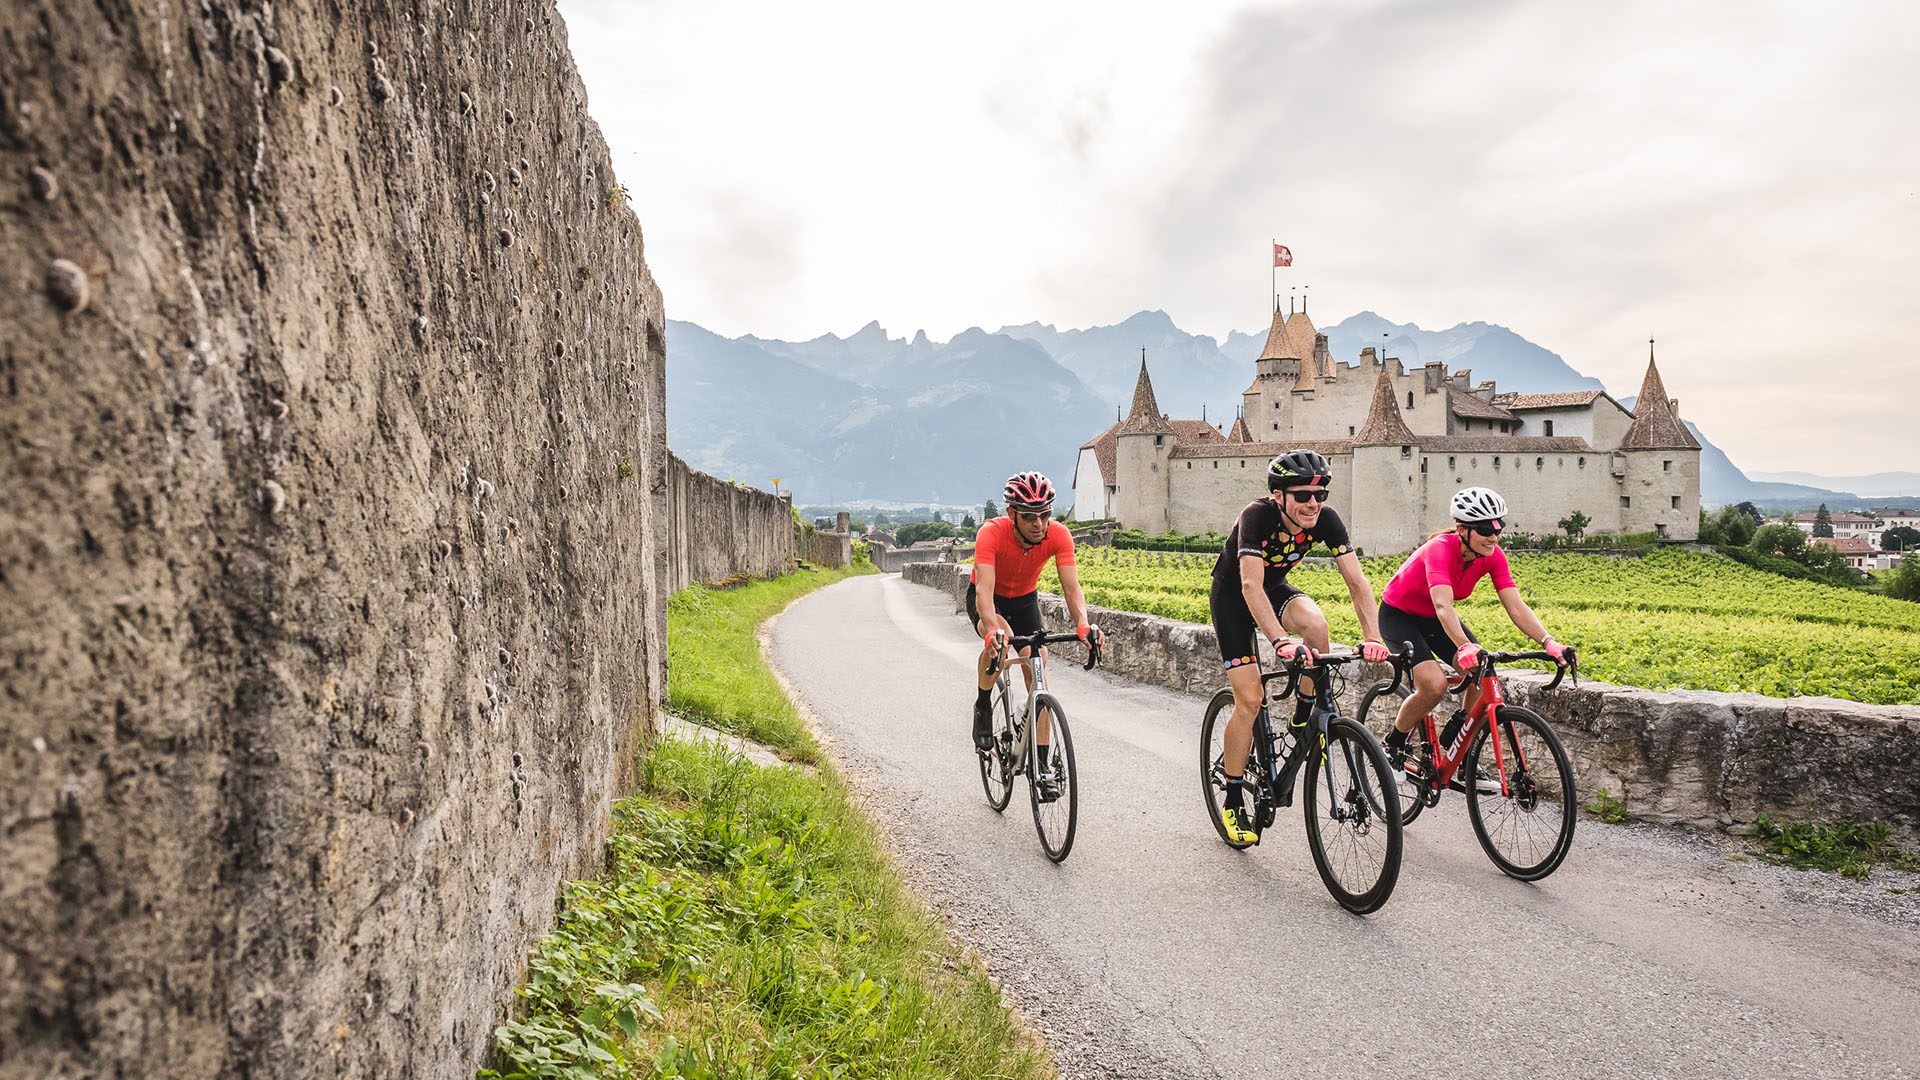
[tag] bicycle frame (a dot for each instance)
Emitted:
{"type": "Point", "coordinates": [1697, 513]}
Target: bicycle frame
{"type": "Point", "coordinates": [1029, 717]}
{"type": "Point", "coordinates": [1447, 760]}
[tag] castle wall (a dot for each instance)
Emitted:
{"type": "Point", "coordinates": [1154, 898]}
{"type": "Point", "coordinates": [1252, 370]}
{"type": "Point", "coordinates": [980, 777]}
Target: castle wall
{"type": "Point", "coordinates": [1141, 501]}
{"type": "Point", "coordinates": [1603, 424]}
{"type": "Point", "coordinates": [1209, 493]}
{"type": "Point", "coordinates": [1391, 500]}
{"type": "Point", "coordinates": [1540, 489]}
{"type": "Point", "coordinates": [1338, 406]}
{"type": "Point", "coordinates": [1089, 487]}
{"type": "Point", "coordinates": [1663, 489]}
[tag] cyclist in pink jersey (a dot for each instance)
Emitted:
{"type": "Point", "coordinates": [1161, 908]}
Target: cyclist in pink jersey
{"type": "Point", "coordinates": [1417, 606]}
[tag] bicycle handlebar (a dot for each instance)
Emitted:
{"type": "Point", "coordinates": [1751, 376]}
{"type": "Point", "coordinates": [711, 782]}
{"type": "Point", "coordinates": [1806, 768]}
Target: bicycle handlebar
{"type": "Point", "coordinates": [1017, 642]}
{"type": "Point", "coordinates": [1568, 661]}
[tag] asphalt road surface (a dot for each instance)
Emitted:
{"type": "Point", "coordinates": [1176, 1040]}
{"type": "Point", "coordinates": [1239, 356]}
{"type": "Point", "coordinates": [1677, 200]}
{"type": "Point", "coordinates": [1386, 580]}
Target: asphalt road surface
{"type": "Point", "coordinates": [1157, 951]}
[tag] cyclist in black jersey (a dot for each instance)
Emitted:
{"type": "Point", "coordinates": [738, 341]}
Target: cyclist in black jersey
{"type": "Point", "coordinates": [1251, 591]}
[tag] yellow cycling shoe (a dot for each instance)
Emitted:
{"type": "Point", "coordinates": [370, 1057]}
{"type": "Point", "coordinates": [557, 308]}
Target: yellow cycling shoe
{"type": "Point", "coordinates": [1234, 822]}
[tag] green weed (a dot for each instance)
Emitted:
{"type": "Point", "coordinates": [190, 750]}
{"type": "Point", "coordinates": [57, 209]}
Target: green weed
{"type": "Point", "coordinates": [1607, 807]}
{"type": "Point", "coordinates": [1850, 849]}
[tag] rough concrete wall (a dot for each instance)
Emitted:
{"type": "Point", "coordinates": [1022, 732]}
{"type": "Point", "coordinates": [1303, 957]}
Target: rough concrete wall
{"type": "Point", "coordinates": [828, 549]}
{"type": "Point", "coordinates": [331, 464]}
{"type": "Point", "coordinates": [1695, 758]}
{"type": "Point", "coordinates": [716, 529]}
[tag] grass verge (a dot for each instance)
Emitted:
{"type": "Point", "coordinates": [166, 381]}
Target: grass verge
{"type": "Point", "coordinates": [1848, 848]}
{"type": "Point", "coordinates": [749, 923]}
{"type": "Point", "coordinates": [714, 672]}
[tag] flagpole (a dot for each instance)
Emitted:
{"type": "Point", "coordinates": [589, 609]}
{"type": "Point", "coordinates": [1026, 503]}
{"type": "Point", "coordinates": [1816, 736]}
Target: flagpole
{"type": "Point", "coordinates": [1273, 280]}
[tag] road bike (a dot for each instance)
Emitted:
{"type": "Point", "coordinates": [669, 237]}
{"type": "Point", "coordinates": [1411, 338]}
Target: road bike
{"type": "Point", "coordinates": [1053, 786]}
{"type": "Point", "coordinates": [1521, 803]}
{"type": "Point", "coordinates": [1351, 803]}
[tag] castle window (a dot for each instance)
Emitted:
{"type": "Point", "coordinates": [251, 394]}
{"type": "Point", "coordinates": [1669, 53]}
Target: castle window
{"type": "Point", "coordinates": [1349, 431]}
{"type": "Point", "coordinates": [1626, 501]}
{"type": "Point", "coordinates": [1583, 462]}
{"type": "Point", "coordinates": [1666, 466]}
{"type": "Point", "coordinates": [1189, 464]}
{"type": "Point", "coordinates": [1549, 424]}
{"type": "Point", "coordinates": [1423, 464]}
{"type": "Point", "coordinates": [1409, 399]}
{"type": "Point", "coordinates": [1216, 463]}
{"type": "Point", "coordinates": [1243, 463]}
{"type": "Point", "coordinates": [1276, 425]}
{"type": "Point", "coordinates": [1675, 499]}
{"type": "Point", "coordinates": [1450, 465]}
{"type": "Point", "coordinates": [1406, 451]}
{"type": "Point", "coordinates": [1539, 463]}
{"type": "Point", "coordinates": [1496, 463]}
{"type": "Point", "coordinates": [1159, 440]}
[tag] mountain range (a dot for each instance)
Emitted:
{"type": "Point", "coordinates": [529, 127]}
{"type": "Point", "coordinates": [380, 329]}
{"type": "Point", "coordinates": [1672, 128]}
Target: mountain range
{"type": "Point", "coordinates": [875, 417]}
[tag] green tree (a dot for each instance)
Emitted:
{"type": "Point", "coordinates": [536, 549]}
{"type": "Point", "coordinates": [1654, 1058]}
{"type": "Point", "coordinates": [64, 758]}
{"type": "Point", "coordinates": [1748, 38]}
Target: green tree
{"type": "Point", "coordinates": [923, 530]}
{"type": "Point", "coordinates": [1900, 538]}
{"type": "Point", "coordinates": [1904, 582]}
{"type": "Point", "coordinates": [989, 511]}
{"type": "Point", "coordinates": [1710, 530]}
{"type": "Point", "coordinates": [1736, 526]}
{"type": "Point", "coordinates": [1786, 541]}
{"type": "Point", "coordinates": [1575, 525]}
{"type": "Point", "coordinates": [1822, 521]}
{"type": "Point", "coordinates": [968, 523]}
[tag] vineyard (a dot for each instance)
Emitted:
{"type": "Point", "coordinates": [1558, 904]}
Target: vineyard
{"type": "Point", "coordinates": [1672, 620]}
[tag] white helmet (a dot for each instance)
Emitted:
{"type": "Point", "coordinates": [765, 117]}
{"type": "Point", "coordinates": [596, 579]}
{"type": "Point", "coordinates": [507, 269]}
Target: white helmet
{"type": "Point", "coordinates": [1478, 504]}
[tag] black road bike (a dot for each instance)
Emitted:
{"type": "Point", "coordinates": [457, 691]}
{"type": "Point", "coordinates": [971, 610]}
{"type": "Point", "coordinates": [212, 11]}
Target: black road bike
{"type": "Point", "coordinates": [1350, 800]}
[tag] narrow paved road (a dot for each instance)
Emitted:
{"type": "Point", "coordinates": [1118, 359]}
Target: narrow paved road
{"type": "Point", "coordinates": [1157, 951]}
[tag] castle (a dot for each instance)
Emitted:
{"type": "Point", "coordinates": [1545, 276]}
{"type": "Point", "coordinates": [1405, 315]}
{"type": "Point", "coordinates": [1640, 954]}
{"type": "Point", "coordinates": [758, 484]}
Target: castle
{"type": "Point", "coordinates": [1400, 444]}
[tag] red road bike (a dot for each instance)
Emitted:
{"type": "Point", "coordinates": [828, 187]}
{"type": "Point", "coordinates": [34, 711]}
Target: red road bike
{"type": "Point", "coordinates": [1520, 796]}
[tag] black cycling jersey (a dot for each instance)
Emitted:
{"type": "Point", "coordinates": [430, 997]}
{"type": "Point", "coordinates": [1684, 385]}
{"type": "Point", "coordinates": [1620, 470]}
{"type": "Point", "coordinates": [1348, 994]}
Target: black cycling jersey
{"type": "Point", "coordinates": [1261, 531]}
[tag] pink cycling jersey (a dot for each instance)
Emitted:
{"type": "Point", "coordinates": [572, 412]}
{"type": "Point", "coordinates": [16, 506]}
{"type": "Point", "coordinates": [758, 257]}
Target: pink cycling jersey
{"type": "Point", "coordinates": [1437, 562]}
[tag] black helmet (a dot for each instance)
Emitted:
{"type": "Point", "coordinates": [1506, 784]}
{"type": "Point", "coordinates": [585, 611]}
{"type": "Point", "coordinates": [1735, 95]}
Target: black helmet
{"type": "Point", "coordinates": [1297, 467]}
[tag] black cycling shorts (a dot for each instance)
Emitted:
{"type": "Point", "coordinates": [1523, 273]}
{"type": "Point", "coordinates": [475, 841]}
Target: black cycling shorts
{"type": "Point", "coordinates": [1021, 612]}
{"type": "Point", "coordinates": [1233, 623]}
{"type": "Point", "coordinates": [1429, 638]}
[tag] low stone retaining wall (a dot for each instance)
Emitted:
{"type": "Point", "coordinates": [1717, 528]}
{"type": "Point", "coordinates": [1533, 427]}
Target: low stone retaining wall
{"type": "Point", "coordinates": [1702, 759]}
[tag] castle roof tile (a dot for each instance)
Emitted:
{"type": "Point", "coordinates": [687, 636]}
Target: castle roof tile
{"type": "Point", "coordinates": [1467, 405]}
{"type": "Point", "coordinates": [1239, 433]}
{"type": "Point", "coordinates": [1503, 444]}
{"type": "Point", "coordinates": [1654, 425]}
{"type": "Point", "coordinates": [1145, 417]}
{"type": "Point", "coordinates": [1384, 423]}
{"type": "Point", "coordinates": [1519, 402]}
{"type": "Point", "coordinates": [1262, 450]}
{"type": "Point", "coordinates": [1195, 431]}
{"type": "Point", "coordinates": [1104, 446]}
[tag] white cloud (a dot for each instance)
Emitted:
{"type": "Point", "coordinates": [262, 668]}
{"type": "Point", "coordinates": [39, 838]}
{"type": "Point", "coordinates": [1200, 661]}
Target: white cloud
{"type": "Point", "coordinates": [1735, 179]}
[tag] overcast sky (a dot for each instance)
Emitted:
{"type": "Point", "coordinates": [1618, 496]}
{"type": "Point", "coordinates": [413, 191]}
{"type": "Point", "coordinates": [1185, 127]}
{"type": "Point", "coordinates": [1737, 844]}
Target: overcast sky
{"type": "Point", "coordinates": [1737, 180]}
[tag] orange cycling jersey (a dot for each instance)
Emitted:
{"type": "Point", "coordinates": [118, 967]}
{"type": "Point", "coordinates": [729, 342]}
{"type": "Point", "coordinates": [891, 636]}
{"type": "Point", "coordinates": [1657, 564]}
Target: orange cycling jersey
{"type": "Point", "coordinates": [1016, 567]}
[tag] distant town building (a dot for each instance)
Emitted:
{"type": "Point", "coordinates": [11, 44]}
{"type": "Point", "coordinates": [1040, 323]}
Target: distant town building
{"type": "Point", "coordinates": [1846, 526]}
{"type": "Point", "coordinates": [1858, 552]}
{"type": "Point", "coordinates": [1400, 443]}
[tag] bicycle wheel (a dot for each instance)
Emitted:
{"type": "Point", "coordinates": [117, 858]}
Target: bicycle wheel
{"type": "Point", "coordinates": [1527, 826]}
{"type": "Point", "coordinates": [1412, 778]}
{"type": "Point", "coordinates": [1056, 816]}
{"type": "Point", "coordinates": [1356, 847]}
{"type": "Point", "coordinates": [996, 765]}
{"type": "Point", "coordinates": [1213, 772]}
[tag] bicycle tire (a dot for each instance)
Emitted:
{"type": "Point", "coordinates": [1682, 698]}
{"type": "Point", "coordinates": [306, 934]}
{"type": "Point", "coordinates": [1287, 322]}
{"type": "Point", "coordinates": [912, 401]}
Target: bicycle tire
{"type": "Point", "coordinates": [1527, 793]}
{"type": "Point", "coordinates": [1213, 785]}
{"type": "Point", "coordinates": [1358, 856]}
{"type": "Point", "coordinates": [1412, 780]}
{"type": "Point", "coordinates": [1055, 827]}
{"type": "Point", "coordinates": [996, 765]}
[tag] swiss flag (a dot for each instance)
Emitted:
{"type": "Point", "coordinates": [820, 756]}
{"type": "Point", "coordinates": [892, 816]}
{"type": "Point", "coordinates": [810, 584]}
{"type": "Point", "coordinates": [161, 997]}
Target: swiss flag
{"type": "Point", "coordinates": [1281, 256]}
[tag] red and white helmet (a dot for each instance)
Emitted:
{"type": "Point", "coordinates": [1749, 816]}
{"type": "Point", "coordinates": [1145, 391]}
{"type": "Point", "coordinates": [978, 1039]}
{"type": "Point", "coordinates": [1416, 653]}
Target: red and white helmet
{"type": "Point", "coordinates": [1028, 491]}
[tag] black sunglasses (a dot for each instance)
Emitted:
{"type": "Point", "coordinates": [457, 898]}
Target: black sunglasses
{"type": "Point", "coordinates": [1486, 528]}
{"type": "Point", "coordinates": [1313, 495]}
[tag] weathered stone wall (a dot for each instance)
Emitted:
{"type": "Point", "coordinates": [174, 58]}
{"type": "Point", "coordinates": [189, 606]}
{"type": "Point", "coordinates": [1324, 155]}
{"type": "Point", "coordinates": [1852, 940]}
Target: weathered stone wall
{"type": "Point", "coordinates": [331, 549]}
{"type": "Point", "coordinates": [828, 549]}
{"type": "Point", "coordinates": [1695, 758]}
{"type": "Point", "coordinates": [717, 529]}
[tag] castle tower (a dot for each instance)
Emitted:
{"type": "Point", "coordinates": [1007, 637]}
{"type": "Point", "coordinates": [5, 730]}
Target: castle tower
{"type": "Point", "coordinates": [1391, 513]}
{"type": "Point", "coordinates": [1658, 465]}
{"type": "Point", "coordinates": [1277, 373]}
{"type": "Point", "coordinates": [1143, 448]}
